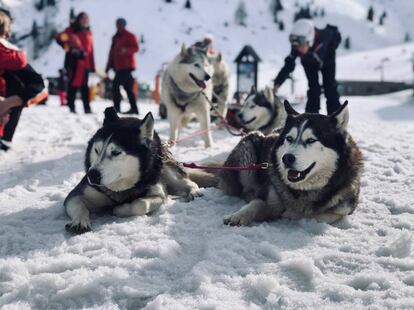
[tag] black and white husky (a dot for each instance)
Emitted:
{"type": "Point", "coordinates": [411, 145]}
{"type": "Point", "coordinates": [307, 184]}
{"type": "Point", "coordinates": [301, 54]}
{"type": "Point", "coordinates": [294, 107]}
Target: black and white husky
{"type": "Point", "coordinates": [314, 171]}
{"type": "Point", "coordinates": [262, 111]}
{"type": "Point", "coordinates": [128, 171]}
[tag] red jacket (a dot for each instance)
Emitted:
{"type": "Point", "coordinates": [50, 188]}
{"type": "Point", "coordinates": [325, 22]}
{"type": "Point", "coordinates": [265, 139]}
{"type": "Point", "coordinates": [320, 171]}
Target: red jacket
{"type": "Point", "coordinates": [11, 58]}
{"type": "Point", "coordinates": [78, 46]}
{"type": "Point", "coordinates": [122, 52]}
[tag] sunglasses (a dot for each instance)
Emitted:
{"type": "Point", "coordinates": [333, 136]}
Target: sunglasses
{"type": "Point", "coordinates": [298, 41]}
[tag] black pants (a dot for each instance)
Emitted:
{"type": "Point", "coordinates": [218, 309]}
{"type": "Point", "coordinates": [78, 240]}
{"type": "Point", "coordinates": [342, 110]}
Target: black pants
{"type": "Point", "coordinates": [124, 78]}
{"type": "Point", "coordinates": [84, 94]}
{"type": "Point", "coordinates": [329, 86]}
{"type": "Point", "coordinates": [11, 125]}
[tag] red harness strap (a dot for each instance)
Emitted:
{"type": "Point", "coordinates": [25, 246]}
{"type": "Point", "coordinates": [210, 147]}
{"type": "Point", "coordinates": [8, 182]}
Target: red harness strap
{"type": "Point", "coordinates": [261, 166]}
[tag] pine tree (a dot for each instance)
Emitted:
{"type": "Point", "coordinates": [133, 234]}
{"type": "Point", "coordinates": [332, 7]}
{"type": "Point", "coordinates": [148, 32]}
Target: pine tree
{"type": "Point", "coordinates": [241, 14]}
{"type": "Point", "coordinates": [142, 40]}
{"type": "Point", "coordinates": [382, 18]}
{"type": "Point", "coordinates": [370, 15]}
{"type": "Point", "coordinates": [347, 43]}
{"type": "Point", "coordinates": [407, 37]}
{"type": "Point", "coordinates": [168, 1]}
{"type": "Point", "coordinates": [35, 30]}
{"type": "Point", "coordinates": [187, 4]}
{"type": "Point", "coordinates": [281, 26]}
{"type": "Point", "coordinates": [302, 13]}
{"type": "Point", "coordinates": [72, 16]}
{"type": "Point", "coordinates": [323, 13]}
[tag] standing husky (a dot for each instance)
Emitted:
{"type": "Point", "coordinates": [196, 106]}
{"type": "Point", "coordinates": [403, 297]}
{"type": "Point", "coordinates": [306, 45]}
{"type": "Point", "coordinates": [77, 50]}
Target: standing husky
{"type": "Point", "coordinates": [187, 90]}
{"type": "Point", "coordinates": [221, 78]}
{"type": "Point", "coordinates": [315, 169]}
{"type": "Point", "coordinates": [262, 111]}
{"type": "Point", "coordinates": [128, 171]}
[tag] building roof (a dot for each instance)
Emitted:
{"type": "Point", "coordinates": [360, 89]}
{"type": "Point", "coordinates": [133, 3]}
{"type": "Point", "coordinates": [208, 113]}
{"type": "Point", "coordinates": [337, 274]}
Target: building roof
{"type": "Point", "coordinates": [247, 51]}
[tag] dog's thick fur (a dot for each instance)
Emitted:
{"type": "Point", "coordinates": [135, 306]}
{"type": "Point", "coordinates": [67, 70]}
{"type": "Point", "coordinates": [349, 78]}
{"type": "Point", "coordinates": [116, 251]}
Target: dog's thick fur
{"type": "Point", "coordinates": [320, 181]}
{"type": "Point", "coordinates": [262, 111]}
{"type": "Point", "coordinates": [187, 89]}
{"type": "Point", "coordinates": [128, 171]}
{"type": "Point", "coordinates": [221, 79]}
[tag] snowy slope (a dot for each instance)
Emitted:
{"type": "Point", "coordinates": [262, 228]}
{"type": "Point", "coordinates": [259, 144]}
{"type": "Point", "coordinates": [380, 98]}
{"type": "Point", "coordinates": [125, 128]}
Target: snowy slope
{"type": "Point", "coordinates": [166, 26]}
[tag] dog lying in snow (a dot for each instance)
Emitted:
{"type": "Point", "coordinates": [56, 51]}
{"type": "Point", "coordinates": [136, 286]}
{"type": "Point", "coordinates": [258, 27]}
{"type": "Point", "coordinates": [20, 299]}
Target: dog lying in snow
{"type": "Point", "coordinates": [128, 171]}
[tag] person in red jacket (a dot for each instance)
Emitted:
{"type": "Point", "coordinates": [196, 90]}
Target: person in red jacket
{"type": "Point", "coordinates": [77, 42]}
{"type": "Point", "coordinates": [19, 83]}
{"type": "Point", "coordinates": [122, 60]}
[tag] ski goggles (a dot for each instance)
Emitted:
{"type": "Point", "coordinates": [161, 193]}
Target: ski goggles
{"type": "Point", "coordinates": [297, 41]}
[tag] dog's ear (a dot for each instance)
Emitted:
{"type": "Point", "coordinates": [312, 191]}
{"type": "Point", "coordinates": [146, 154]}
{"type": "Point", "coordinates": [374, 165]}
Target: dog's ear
{"type": "Point", "coordinates": [289, 110]}
{"type": "Point", "coordinates": [147, 129]}
{"type": "Point", "coordinates": [341, 116]}
{"type": "Point", "coordinates": [219, 58]}
{"type": "Point", "coordinates": [253, 90]}
{"type": "Point", "coordinates": [268, 93]}
{"type": "Point", "coordinates": [110, 116]}
{"type": "Point", "coordinates": [183, 51]}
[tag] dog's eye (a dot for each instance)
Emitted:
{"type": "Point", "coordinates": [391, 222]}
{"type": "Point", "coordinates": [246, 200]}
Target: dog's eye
{"type": "Point", "coordinates": [252, 107]}
{"type": "Point", "coordinates": [310, 141]}
{"type": "Point", "coordinates": [115, 153]}
{"type": "Point", "coordinates": [197, 65]}
{"type": "Point", "coordinates": [289, 139]}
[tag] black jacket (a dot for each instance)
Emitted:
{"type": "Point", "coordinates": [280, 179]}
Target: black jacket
{"type": "Point", "coordinates": [25, 83]}
{"type": "Point", "coordinates": [320, 54]}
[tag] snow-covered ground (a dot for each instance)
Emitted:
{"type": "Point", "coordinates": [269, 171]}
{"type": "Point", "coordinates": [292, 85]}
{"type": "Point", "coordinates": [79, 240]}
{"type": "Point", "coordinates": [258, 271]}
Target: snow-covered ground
{"type": "Point", "coordinates": [183, 257]}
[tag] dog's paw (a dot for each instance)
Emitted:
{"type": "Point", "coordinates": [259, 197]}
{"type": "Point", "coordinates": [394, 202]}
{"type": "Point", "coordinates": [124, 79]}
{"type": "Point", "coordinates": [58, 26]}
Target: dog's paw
{"type": "Point", "coordinates": [77, 229]}
{"type": "Point", "coordinates": [192, 195]}
{"type": "Point", "coordinates": [236, 219]}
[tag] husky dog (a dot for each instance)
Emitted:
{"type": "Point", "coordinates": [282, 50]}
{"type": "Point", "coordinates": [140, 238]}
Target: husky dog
{"type": "Point", "coordinates": [314, 171]}
{"type": "Point", "coordinates": [262, 111]}
{"type": "Point", "coordinates": [187, 90]}
{"type": "Point", "coordinates": [221, 78]}
{"type": "Point", "coordinates": [128, 172]}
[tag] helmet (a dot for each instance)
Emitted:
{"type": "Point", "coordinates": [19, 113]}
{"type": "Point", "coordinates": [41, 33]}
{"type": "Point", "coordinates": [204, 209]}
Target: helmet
{"type": "Point", "coordinates": [303, 31]}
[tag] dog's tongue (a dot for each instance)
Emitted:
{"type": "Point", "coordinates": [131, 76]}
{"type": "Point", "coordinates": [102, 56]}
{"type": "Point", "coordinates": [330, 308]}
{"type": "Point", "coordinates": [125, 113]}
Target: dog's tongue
{"type": "Point", "coordinates": [293, 174]}
{"type": "Point", "coordinates": [202, 84]}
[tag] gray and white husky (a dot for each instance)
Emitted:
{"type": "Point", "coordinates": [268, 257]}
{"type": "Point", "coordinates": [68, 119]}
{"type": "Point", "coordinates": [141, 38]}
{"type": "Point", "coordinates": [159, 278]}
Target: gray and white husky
{"type": "Point", "coordinates": [187, 89]}
{"type": "Point", "coordinates": [128, 172]}
{"type": "Point", "coordinates": [314, 171]}
{"type": "Point", "coordinates": [221, 79]}
{"type": "Point", "coordinates": [262, 111]}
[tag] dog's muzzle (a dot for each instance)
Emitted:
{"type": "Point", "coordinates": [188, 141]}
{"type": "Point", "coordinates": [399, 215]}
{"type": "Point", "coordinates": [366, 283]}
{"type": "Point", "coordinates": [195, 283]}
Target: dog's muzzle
{"type": "Point", "coordinates": [94, 177]}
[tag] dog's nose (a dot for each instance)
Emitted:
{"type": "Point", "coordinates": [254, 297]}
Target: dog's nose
{"type": "Point", "coordinates": [207, 77]}
{"type": "Point", "coordinates": [94, 177]}
{"type": "Point", "coordinates": [288, 159]}
{"type": "Point", "coordinates": [240, 115]}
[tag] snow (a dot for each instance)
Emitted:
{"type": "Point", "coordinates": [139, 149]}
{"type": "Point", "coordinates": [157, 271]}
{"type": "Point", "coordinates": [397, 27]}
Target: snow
{"type": "Point", "coordinates": [183, 257]}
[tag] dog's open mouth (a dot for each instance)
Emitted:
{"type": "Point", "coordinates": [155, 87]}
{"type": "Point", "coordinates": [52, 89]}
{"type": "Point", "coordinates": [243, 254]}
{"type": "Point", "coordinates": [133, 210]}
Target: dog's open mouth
{"type": "Point", "coordinates": [197, 81]}
{"type": "Point", "coordinates": [296, 176]}
{"type": "Point", "coordinates": [248, 122]}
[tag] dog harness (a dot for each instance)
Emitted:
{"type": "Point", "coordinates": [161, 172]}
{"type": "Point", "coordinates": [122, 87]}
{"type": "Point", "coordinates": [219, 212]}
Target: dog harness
{"type": "Point", "coordinates": [181, 98]}
{"type": "Point", "coordinates": [122, 197]}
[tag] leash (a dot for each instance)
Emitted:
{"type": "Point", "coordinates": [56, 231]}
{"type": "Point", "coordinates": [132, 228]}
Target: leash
{"type": "Point", "coordinates": [195, 134]}
{"type": "Point", "coordinates": [239, 133]}
{"type": "Point", "coordinates": [262, 166]}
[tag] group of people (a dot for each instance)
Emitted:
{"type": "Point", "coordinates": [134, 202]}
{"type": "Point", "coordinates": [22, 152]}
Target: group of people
{"type": "Point", "coordinates": [20, 85]}
{"type": "Point", "coordinates": [77, 41]}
